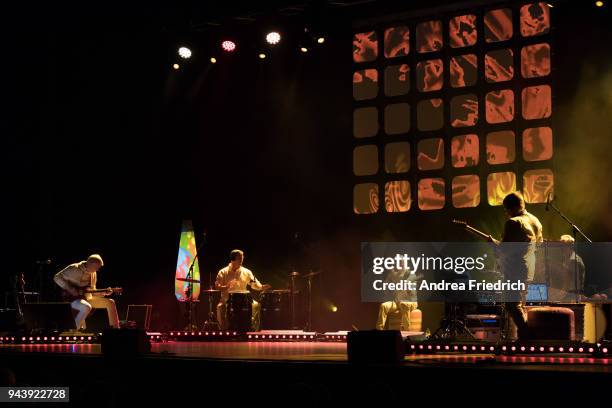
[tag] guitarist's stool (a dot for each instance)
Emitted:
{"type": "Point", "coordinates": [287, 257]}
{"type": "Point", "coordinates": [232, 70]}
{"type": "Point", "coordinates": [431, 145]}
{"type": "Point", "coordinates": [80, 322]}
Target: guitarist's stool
{"type": "Point", "coordinates": [97, 321]}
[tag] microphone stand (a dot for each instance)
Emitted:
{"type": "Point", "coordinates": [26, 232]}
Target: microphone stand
{"type": "Point", "coordinates": [190, 287]}
{"type": "Point", "coordinates": [575, 232]}
{"type": "Point", "coordinates": [210, 323]}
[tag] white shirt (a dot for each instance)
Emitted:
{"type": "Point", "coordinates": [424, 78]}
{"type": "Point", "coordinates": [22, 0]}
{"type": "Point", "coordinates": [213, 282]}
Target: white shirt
{"type": "Point", "coordinates": [237, 279]}
{"type": "Point", "coordinates": [76, 276]}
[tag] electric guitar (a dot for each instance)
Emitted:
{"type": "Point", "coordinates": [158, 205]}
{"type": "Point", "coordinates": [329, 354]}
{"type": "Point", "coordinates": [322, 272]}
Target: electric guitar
{"type": "Point", "coordinates": [471, 229]}
{"type": "Point", "coordinates": [69, 297]}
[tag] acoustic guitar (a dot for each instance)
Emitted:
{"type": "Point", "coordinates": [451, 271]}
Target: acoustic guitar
{"type": "Point", "coordinates": [69, 297]}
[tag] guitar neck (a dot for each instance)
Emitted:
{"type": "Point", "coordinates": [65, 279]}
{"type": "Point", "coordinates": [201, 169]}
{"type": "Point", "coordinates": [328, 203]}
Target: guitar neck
{"type": "Point", "coordinates": [476, 232]}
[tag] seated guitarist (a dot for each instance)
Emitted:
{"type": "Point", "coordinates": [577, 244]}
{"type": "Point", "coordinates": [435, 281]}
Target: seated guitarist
{"type": "Point", "coordinates": [77, 280]}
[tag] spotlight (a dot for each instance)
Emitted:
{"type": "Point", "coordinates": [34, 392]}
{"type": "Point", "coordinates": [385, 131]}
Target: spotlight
{"type": "Point", "coordinates": [213, 60]}
{"type": "Point", "coordinates": [262, 56]}
{"type": "Point", "coordinates": [321, 40]}
{"type": "Point", "coordinates": [599, 3]}
{"type": "Point", "coordinates": [184, 52]}
{"type": "Point", "coordinates": [334, 309]}
{"type": "Point", "coordinates": [304, 49]}
{"type": "Point", "coordinates": [228, 46]}
{"type": "Point", "coordinates": [273, 38]}
{"type": "Point", "coordinates": [176, 66]}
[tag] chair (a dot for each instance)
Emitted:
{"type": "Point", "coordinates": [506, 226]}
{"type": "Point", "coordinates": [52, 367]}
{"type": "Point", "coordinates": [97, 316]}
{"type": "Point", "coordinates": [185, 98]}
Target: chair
{"type": "Point", "coordinates": [394, 321]}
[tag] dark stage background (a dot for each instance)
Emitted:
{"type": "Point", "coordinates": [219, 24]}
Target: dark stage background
{"type": "Point", "coordinates": [106, 148]}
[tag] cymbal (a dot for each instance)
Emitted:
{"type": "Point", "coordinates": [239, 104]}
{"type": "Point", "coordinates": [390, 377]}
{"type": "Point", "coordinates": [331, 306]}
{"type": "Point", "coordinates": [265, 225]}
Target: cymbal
{"type": "Point", "coordinates": [311, 274]}
{"type": "Point", "coordinates": [294, 274]}
{"type": "Point", "coordinates": [210, 291]}
{"type": "Point", "coordinates": [187, 280]}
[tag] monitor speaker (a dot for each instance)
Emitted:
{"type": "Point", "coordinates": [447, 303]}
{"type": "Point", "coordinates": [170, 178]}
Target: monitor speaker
{"type": "Point", "coordinates": [375, 346]}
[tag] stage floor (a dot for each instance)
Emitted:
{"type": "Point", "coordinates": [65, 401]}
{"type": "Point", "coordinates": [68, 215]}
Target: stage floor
{"type": "Point", "coordinates": [324, 352]}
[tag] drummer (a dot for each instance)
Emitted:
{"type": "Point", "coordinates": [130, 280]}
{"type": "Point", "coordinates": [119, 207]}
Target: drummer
{"type": "Point", "coordinates": [235, 277]}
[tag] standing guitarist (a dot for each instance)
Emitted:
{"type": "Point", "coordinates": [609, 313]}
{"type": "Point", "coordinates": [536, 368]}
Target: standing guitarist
{"type": "Point", "coordinates": [518, 261]}
{"type": "Point", "coordinates": [78, 280]}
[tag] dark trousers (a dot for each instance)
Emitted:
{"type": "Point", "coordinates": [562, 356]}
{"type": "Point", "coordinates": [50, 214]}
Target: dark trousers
{"type": "Point", "coordinates": [516, 312]}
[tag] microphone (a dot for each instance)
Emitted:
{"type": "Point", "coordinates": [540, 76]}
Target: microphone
{"type": "Point", "coordinates": [547, 202]}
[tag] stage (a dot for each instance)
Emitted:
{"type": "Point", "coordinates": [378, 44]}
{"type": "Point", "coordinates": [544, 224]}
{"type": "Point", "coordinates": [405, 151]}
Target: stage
{"type": "Point", "coordinates": [299, 371]}
{"type": "Point", "coordinates": [323, 352]}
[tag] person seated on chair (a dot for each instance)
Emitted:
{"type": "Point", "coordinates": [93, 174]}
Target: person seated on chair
{"type": "Point", "coordinates": [76, 279]}
{"type": "Point", "coordinates": [572, 270]}
{"type": "Point", "coordinates": [404, 302]}
{"type": "Point", "coordinates": [235, 277]}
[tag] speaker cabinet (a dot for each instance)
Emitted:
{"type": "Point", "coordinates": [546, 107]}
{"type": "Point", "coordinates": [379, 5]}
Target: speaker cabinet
{"type": "Point", "coordinates": [375, 346]}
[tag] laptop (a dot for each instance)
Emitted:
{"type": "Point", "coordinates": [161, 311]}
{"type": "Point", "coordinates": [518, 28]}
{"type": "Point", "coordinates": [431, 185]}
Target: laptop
{"type": "Point", "coordinates": [537, 293]}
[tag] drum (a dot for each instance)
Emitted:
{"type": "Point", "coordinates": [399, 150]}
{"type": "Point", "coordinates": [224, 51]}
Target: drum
{"type": "Point", "coordinates": [276, 309]}
{"type": "Point", "coordinates": [239, 310]}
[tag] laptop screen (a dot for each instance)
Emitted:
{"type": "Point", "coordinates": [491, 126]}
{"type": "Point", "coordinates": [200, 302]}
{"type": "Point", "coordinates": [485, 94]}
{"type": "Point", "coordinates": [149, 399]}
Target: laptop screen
{"type": "Point", "coordinates": [537, 292]}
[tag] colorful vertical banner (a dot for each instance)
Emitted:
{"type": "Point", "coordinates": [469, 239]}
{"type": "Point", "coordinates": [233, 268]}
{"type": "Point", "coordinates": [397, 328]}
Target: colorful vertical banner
{"type": "Point", "coordinates": [186, 254]}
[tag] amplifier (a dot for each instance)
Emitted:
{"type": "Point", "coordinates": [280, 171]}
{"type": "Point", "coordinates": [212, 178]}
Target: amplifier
{"type": "Point", "coordinates": [484, 326]}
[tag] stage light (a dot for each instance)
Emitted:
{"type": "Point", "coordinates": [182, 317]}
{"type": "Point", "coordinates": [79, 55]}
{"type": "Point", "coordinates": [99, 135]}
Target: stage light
{"type": "Point", "coordinates": [262, 56]}
{"type": "Point", "coordinates": [273, 38]}
{"type": "Point", "coordinates": [333, 309]}
{"type": "Point", "coordinates": [213, 60]}
{"type": "Point", "coordinates": [304, 49]}
{"type": "Point", "coordinates": [228, 46]}
{"type": "Point", "coordinates": [321, 40]}
{"type": "Point", "coordinates": [184, 52]}
{"type": "Point", "coordinates": [599, 3]}
{"type": "Point", "coordinates": [176, 66]}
